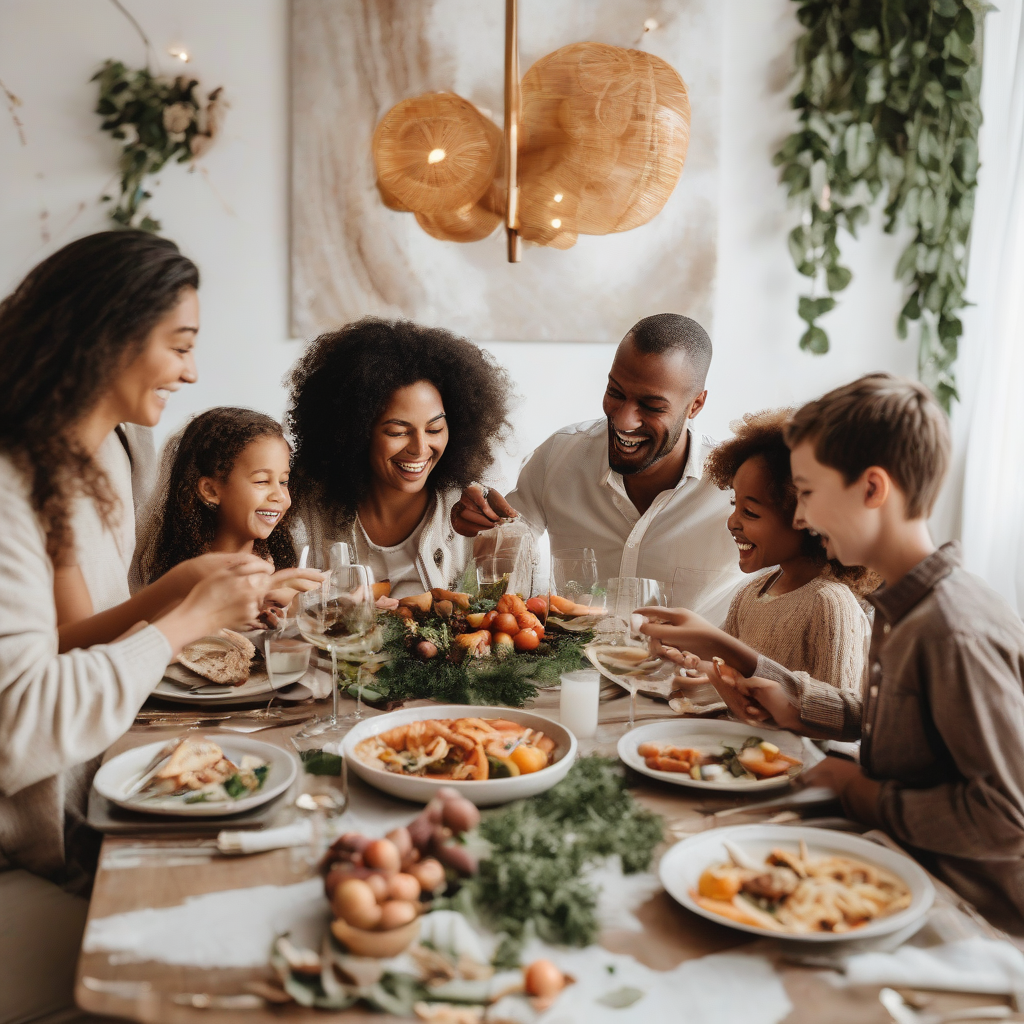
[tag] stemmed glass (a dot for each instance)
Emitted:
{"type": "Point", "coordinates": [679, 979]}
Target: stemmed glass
{"type": "Point", "coordinates": [341, 618]}
{"type": "Point", "coordinates": [620, 651]}
{"type": "Point", "coordinates": [330, 555]}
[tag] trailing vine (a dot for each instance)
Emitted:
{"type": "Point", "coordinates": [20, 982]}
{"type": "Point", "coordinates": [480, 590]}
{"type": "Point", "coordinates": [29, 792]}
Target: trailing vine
{"type": "Point", "coordinates": [888, 96]}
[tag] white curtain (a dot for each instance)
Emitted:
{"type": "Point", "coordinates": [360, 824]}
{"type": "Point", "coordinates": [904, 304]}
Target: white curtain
{"type": "Point", "coordinates": [991, 420]}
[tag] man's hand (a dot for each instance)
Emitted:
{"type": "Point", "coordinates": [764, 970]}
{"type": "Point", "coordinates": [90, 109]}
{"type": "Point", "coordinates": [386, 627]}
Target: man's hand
{"type": "Point", "coordinates": [687, 631]}
{"type": "Point", "coordinates": [858, 793]}
{"type": "Point", "coordinates": [480, 509]}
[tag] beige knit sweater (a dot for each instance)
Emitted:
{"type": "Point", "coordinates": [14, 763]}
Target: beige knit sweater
{"type": "Point", "coordinates": [57, 711]}
{"type": "Point", "coordinates": [819, 628]}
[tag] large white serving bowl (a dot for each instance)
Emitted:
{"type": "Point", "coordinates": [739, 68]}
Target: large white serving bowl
{"type": "Point", "coordinates": [703, 734]}
{"type": "Point", "coordinates": [483, 794]}
{"type": "Point", "coordinates": [119, 774]}
{"type": "Point", "coordinates": [682, 865]}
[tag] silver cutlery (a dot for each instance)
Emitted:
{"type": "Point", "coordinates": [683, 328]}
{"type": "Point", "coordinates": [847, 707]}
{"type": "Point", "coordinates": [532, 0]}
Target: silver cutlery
{"type": "Point", "coordinates": [903, 1013]}
{"type": "Point", "coordinates": [801, 798]}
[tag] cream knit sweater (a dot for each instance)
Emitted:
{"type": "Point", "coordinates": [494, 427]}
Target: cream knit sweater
{"type": "Point", "coordinates": [57, 711]}
{"type": "Point", "coordinates": [819, 628]}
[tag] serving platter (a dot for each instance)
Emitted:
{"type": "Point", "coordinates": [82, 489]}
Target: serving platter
{"type": "Point", "coordinates": [709, 736]}
{"type": "Point", "coordinates": [116, 778]}
{"type": "Point", "coordinates": [484, 794]}
{"type": "Point", "coordinates": [682, 866]}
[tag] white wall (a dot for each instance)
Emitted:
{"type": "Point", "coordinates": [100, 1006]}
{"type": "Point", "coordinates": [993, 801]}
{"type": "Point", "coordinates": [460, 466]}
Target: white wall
{"type": "Point", "coordinates": [232, 216]}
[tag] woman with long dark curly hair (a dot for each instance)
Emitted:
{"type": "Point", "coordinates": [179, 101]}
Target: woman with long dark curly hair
{"type": "Point", "coordinates": [805, 613]}
{"type": "Point", "coordinates": [98, 334]}
{"type": "Point", "coordinates": [224, 487]}
{"type": "Point", "coordinates": [389, 421]}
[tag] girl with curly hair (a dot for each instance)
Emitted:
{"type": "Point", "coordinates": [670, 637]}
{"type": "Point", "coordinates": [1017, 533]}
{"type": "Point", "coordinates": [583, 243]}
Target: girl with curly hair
{"type": "Point", "coordinates": [389, 421]}
{"type": "Point", "coordinates": [224, 487]}
{"type": "Point", "coordinates": [801, 609]}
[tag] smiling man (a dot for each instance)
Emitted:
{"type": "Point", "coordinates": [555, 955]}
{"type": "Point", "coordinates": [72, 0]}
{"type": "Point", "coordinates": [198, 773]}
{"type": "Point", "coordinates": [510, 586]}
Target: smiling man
{"type": "Point", "coordinates": [631, 485]}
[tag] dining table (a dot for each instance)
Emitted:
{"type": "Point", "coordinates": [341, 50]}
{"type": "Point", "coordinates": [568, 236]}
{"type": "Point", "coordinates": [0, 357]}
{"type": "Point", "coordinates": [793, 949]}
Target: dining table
{"type": "Point", "coordinates": [139, 870]}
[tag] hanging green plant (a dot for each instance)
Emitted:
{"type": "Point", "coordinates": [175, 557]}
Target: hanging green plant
{"type": "Point", "coordinates": [156, 119]}
{"type": "Point", "coordinates": [888, 98]}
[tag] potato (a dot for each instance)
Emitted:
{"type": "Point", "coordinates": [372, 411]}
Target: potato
{"type": "Point", "coordinates": [458, 858]}
{"type": "Point", "coordinates": [382, 589]}
{"type": "Point", "coordinates": [444, 609]}
{"type": "Point", "coordinates": [421, 829]}
{"type": "Point", "coordinates": [382, 855]}
{"type": "Point", "coordinates": [355, 901]}
{"type": "Point", "coordinates": [379, 884]}
{"type": "Point", "coordinates": [457, 598]}
{"type": "Point", "coordinates": [719, 883]}
{"type": "Point", "coordinates": [404, 887]}
{"type": "Point", "coordinates": [542, 978]}
{"type": "Point", "coordinates": [396, 913]}
{"type": "Point", "coordinates": [460, 815]}
{"type": "Point", "coordinates": [425, 650]}
{"type": "Point", "coordinates": [429, 873]}
{"type": "Point", "coordinates": [402, 840]}
{"type": "Point", "coordinates": [529, 759]}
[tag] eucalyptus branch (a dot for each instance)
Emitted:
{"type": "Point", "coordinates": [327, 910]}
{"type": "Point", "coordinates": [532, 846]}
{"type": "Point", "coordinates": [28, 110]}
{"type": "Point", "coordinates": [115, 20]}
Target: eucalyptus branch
{"type": "Point", "coordinates": [888, 94]}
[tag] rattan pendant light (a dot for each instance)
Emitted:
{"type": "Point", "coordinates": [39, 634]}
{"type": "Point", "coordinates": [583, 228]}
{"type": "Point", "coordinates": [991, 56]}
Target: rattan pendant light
{"type": "Point", "coordinates": [595, 140]}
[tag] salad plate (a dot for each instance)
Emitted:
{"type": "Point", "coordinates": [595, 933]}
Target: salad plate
{"type": "Point", "coordinates": [258, 773]}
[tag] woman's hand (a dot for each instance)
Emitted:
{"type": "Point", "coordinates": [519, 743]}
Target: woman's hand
{"type": "Point", "coordinates": [480, 509]}
{"type": "Point", "coordinates": [180, 580]}
{"type": "Point", "coordinates": [225, 598]}
{"type": "Point", "coordinates": [687, 631]}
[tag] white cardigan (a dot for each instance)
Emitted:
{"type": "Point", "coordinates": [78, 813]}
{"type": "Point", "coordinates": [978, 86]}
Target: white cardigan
{"type": "Point", "coordinates": [57, 711]}
{"type": "Point", "coordinates": [443, 554]}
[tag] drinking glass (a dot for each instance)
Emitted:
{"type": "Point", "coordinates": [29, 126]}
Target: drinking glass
{"type": "Point", "coordinates": [493, 576]}
{"type": "Point", "coordinates": [574, 578]}
{"type": "Point", "coordinates": [340, 617]}
{"type": "Point", "coordinates": [330, 555]}
{"type": "Point", "coordinates": [579, 702]}
{"type": "Point", "coordinates": [623, 596]}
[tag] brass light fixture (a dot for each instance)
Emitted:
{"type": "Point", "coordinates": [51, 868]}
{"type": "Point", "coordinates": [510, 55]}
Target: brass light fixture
{"type": "Point", "coordinates": [594, 142]}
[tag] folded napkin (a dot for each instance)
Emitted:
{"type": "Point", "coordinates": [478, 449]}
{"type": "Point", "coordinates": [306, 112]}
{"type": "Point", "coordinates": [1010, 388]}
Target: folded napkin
{"type": "Point", "coordinates": [298, 833]}
{"type": "Point", "coordinates": [976, 964]}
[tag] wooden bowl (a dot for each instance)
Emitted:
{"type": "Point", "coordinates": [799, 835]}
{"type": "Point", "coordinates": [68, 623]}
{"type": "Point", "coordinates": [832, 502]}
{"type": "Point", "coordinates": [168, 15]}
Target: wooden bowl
{"type": "Point", "coordinates": [376, 944]}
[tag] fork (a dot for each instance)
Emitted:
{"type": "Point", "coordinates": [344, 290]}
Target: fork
{"type": "Point", "coordinates": [903, 1013]}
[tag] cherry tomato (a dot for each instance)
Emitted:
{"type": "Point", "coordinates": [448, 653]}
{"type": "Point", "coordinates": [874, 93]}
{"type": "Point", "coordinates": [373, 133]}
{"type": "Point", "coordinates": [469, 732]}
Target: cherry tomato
{"type": "Point", "coordinates": [526, 640]}
{"type": "Point", "coordinates": [506, 623]}
{"type": "Point", "coordinates": [539, 607]}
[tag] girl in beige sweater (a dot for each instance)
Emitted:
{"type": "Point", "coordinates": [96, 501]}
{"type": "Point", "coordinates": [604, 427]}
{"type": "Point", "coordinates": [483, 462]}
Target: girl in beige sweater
{"type": "Point", "coordinates": [800, 609]}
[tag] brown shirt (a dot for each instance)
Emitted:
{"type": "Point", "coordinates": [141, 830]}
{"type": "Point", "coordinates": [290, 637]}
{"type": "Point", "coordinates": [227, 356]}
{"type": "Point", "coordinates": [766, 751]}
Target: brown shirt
{"type": "Point", "coordinates": [941, 723]}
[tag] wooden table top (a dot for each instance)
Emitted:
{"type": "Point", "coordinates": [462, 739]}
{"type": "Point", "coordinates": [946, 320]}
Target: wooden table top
{"type": "Point", "coordinates": [138, 872]}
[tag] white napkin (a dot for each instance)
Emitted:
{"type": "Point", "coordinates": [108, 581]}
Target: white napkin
{"type": "Point", "coordinates": [976, 964]}
{"type": "Point", "coordinates": [298, 833]}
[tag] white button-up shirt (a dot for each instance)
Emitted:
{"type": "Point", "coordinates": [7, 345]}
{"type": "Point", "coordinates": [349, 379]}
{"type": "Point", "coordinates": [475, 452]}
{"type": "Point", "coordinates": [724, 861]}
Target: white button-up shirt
{"type": "Point", "coordinates": [567, 488]}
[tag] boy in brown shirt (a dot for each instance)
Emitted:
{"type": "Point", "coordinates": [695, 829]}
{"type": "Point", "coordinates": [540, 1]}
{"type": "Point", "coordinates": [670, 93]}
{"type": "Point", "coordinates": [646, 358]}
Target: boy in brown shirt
{"type": "Point", "coordinates": [941, 713]}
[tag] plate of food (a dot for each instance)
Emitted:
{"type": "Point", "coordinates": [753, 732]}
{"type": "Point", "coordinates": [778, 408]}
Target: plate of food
{"type": "Point", "coordinates": [489, 754]}
{"type": "Point", "coordinates": [196, 776]}
{"type": "Point", "coordinates": [228, 669]}
{"type": "Point", "coordinates": [796, 882]}
{"type": "Point", "coordinates": [720, 755]}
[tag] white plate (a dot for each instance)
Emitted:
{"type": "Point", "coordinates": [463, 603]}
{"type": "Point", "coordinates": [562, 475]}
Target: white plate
{"type": "Point", "coordinates": [255, 690]}
{"type": "Point", "coordinates": [483, 794]}
{"type": "Point", "coordinates": [120, 773]}
{"type": "Point", "coordinates": [682, 865]}
{"type": "Point", "coordinates": [708, 735]}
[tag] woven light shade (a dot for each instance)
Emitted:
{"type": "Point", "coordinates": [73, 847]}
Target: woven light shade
{"type": "Point", "coordinates": [606, 129]}
{"type": "Point", "coordinates": [435, 154]}
{"type": "Point", "coordinates": [468, 224]}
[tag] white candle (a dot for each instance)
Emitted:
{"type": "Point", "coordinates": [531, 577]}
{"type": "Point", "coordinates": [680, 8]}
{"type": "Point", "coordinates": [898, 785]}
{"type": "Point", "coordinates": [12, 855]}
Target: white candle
{"type": "Point", "coordinates": [578, 708]}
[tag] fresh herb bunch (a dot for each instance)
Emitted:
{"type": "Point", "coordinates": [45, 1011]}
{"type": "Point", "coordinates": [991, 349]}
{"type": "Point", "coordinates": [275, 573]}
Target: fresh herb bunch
{"type": "Point", "coordinates": [493, 680]}
{"type": "Point", "coordinates": [532, 877]}
{"type": "Point", "coordinates": [156, 119]}
{"type": "Point", "coordinates": [888, 98]}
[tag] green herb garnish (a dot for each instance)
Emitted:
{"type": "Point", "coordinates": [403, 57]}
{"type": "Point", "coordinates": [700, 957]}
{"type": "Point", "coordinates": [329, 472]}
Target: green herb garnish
{"type": "Point", "coordinates": [320, 762]}
{"type": "Point", "coordinates": [532, 878]}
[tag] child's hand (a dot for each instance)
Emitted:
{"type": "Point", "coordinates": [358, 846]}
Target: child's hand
{"type": "Point", "coordinates": [768, 695]}
{"type": "Point", "coordinates": [297, 580]}
{"type": "Point", "coordinates": [724, 679]}
{"type": "Point", "coordinates": [858, 793]}
{"type": "Point", "coordinates": [686, 631]}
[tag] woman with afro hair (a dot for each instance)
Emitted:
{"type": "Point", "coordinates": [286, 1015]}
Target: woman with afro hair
{"type": "Point", "coordinates": [389, 421]}
{"type": "Point", "coordinates": [801, 609]}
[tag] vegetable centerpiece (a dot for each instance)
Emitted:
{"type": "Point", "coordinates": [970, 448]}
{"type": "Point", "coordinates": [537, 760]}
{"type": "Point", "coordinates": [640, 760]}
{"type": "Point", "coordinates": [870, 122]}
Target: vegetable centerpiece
{"type": "Point", "coordinates": [459, 648]}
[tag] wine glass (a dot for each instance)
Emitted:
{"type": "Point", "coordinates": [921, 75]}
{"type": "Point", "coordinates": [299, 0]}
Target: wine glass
{"type": "Point", "coordinates": [329, 555]}
{"type": "Point", "coordinates": [341, 618]}
{"type": "Point", "coordinates": [620, 651]}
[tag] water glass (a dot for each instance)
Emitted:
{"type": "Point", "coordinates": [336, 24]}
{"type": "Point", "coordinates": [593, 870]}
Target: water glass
{"type": "Point", "coordinates": [579, 702]}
